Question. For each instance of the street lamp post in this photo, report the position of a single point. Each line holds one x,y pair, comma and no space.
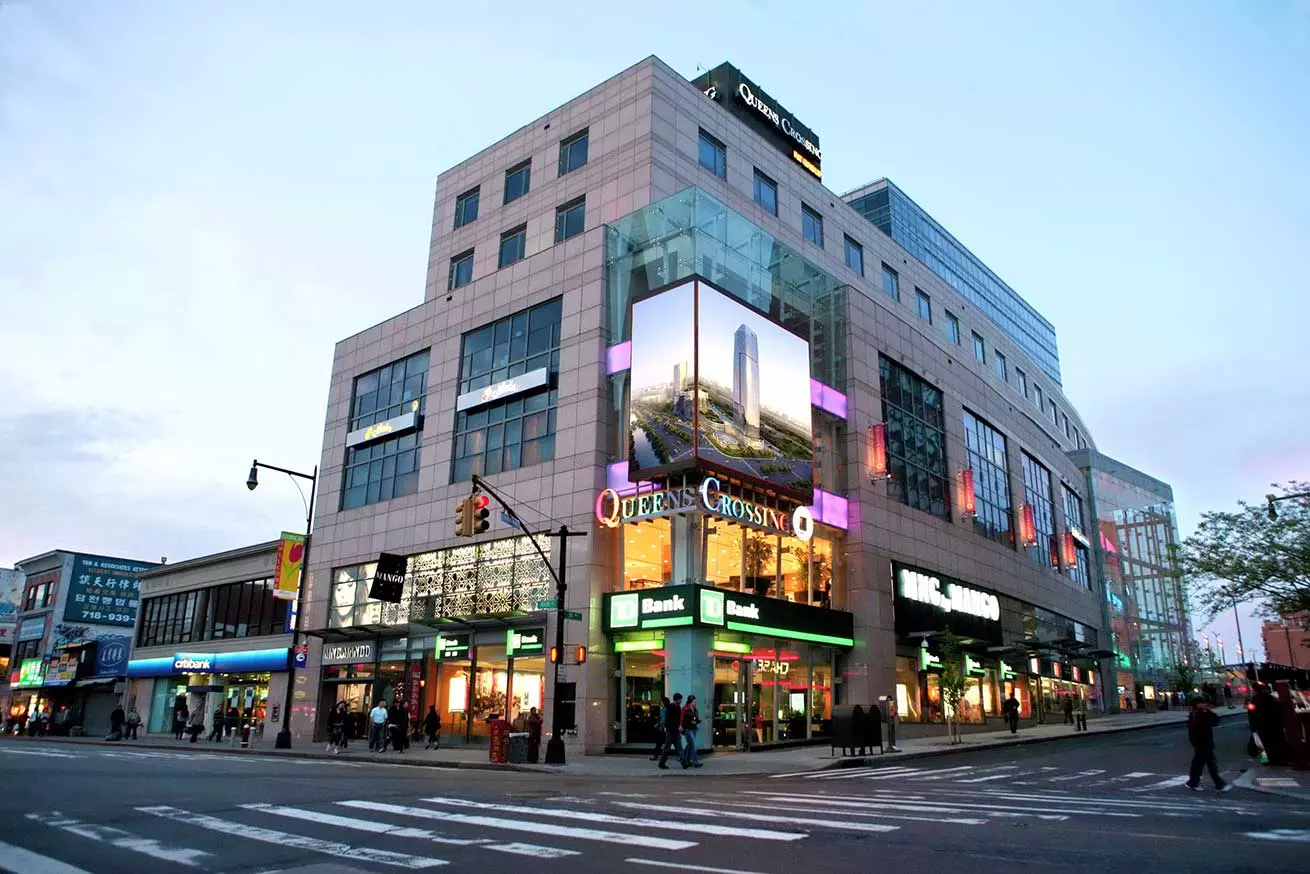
283,741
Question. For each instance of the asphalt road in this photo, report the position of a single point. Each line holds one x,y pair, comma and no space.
1096,804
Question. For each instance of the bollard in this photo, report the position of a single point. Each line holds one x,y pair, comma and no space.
245,736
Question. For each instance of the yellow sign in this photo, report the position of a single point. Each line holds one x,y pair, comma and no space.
806,163
286,572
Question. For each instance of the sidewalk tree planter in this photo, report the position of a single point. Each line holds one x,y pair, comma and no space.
952,682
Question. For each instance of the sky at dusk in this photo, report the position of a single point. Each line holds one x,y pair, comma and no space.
198,200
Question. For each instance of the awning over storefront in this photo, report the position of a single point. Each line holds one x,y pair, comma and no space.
710,607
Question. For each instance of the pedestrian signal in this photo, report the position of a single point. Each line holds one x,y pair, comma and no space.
554,655
581,654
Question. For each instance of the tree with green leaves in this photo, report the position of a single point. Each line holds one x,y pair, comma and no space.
1184,678
1259,553
952,682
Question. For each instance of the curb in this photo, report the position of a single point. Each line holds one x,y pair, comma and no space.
1247,781
1018,741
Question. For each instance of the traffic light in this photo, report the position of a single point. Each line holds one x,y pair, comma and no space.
554,655
464,517
581,653
481,510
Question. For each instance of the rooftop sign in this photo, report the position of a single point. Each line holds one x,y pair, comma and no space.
725,84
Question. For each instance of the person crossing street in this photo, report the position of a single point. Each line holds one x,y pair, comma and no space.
672,731
1200,732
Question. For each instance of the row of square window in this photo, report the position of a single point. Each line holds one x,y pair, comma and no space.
518,179
713,157
570,220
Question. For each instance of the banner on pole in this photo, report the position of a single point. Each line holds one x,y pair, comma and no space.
286,572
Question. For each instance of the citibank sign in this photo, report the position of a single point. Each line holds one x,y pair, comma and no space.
612,509
780,121
951,598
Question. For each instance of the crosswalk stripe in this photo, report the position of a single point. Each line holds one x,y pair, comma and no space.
1091,773
34,863
1163,784
1113,803
987,778
857,773
48,753
906,773
593,816
927,807
362,825
654,863
122,839
540,828
945,773
537,851
762,817
285,839
947,806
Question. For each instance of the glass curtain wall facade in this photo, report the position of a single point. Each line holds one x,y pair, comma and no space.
916,439
899,217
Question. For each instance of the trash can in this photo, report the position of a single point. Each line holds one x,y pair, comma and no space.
518,747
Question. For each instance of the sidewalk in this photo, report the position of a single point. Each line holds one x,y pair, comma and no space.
1276,781
808,758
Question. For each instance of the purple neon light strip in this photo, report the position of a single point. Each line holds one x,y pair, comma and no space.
827,398
618,358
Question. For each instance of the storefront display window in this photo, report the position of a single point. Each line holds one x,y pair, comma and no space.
643,689
723,558
490,692
821,693
1019,688
647,554
907,690
452,699
166,691
794,570
527,689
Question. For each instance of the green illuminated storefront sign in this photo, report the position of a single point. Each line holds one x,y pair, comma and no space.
525,642
708,607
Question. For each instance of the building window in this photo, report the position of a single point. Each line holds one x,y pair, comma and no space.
916,440
952,328
1002,371
512,245
1064,423
27,649
573,153
1021,381
570,219
387,468
1079,571
855,256
466,207
1078,439
517,430
517,181
991,480
1055,413
38,596
232,610
1038,398
713,155
812,226
924,303
1037,494
979,349
891,283
766,192
461,270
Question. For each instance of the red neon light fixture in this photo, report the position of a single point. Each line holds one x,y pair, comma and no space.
878,451
968,505
1027,525
1070,550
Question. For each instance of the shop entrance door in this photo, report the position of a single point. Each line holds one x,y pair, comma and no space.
732,704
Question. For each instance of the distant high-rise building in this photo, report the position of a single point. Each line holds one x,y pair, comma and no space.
746,381
682,389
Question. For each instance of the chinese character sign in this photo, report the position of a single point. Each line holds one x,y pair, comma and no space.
104,591
286,571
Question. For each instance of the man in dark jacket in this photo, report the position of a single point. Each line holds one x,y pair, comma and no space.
672,730
660,733
1011,710
1200,731
1267,721
116,720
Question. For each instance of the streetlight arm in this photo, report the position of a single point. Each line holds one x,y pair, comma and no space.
312,477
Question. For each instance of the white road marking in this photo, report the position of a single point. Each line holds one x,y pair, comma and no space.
540,828
945,807
945,773
362,825
886,776
833,773
1092,773
285,839
122,839
1294,835
611,819
859,773
705,868
985,779
1163,784
34,863
534,850
48,753
1136,775
761,817
1108,803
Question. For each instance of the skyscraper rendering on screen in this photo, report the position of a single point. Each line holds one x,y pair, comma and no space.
746,381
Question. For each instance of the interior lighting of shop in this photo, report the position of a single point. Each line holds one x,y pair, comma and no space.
1027,525
968,503
1034,667
731,646
768,653
638,645
877,451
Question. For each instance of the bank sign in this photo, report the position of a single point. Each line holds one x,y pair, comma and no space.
709,607
612,509
927,601
725,84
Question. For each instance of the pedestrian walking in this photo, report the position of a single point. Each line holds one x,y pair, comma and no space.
216,733
432,728
660,735
690,722
534,735
1200,732
398,724
1267,720
1011,710
336,725
196,725
1068,710
377,726
672,730
180,716
117,719
133,723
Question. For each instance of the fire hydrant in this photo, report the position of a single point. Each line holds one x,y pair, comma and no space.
245,735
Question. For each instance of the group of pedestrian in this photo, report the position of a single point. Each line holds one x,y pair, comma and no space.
388,727
676,727
123,725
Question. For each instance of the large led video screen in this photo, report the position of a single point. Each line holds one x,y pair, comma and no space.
717,385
